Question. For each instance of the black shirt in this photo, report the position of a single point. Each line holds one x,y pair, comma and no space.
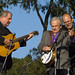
3,32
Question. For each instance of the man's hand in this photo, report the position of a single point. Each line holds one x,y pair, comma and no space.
71,33
7,42
30,35
46,48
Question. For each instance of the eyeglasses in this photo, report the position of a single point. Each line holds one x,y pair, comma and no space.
67,22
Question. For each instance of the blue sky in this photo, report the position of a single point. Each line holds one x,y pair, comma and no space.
23,23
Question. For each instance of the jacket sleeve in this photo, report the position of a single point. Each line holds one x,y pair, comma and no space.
45,41
22,43
1,40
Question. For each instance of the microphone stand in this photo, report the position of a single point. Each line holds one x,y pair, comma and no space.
24,68
56,44
54,48
55,60
7,54
68,62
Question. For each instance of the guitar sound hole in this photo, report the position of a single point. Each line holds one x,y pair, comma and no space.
8,47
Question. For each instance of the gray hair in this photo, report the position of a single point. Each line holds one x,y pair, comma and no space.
5,13
56,18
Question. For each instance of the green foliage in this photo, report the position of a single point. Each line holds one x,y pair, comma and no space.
35,53
25,4
69,5
50,8
27,66
29,4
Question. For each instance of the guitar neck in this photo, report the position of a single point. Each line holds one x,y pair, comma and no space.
26,36
20,38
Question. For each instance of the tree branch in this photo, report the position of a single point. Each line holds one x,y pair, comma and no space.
48,13
9,3
35,2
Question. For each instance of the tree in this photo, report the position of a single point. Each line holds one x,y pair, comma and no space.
51,8
69,5
35,53
27,66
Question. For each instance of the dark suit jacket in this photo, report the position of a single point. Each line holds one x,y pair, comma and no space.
3,32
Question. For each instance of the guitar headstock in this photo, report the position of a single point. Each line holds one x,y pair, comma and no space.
35,33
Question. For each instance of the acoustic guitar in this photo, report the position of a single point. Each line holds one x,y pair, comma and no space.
15,43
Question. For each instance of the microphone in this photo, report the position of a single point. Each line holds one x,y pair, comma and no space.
14,35
66,33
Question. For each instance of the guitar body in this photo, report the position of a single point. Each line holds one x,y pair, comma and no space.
15,45
48,57
4,50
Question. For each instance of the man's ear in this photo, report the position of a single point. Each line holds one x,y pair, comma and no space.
2,16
